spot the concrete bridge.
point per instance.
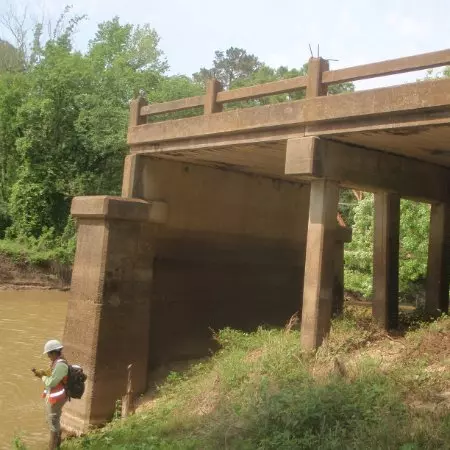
(229, 218)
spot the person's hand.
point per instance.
(37, 373)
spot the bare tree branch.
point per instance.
(15, 23)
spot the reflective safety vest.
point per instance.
(57, 393)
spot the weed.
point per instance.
(18, 444)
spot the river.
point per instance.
(28, 319)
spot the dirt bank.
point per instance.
(16, 274)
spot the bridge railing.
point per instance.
(315, 83)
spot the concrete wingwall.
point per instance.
(231, 253)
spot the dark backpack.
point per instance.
(75, 382)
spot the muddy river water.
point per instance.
(27, 319)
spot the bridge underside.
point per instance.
(428, 143)
(395, 156)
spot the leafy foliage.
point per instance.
(413, 252)
(10, 58)
(230, 66)
(63, 121)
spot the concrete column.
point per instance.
(319, 265)
(436, 301)
(132, 181)
(107, 325)
(338, 284)
(344, 234)
(385, 259)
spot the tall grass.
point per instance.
(262, 392)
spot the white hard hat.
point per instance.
(52, 345)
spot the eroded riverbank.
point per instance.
(20, 275)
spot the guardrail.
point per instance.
(315, 83)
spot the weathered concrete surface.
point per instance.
(371, 170)
(352, 107)
(319, 267)
(386, 259)
(107, 324)
(231, 253)
(437, 301)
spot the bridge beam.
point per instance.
(364, 169)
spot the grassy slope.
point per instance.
(262, 392)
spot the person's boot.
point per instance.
(59, 439)
(53, 441)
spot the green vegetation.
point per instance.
(414, 226)
(361, 390)
(63, 121)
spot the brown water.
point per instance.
(27, 320)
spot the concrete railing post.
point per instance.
(213, 86)
(315, 87)
(135, 117)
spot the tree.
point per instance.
(413, 252)
(13, 89)
(14, 23)
(73, 121)
(173, 88)
(229, 66)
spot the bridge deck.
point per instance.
(411, 120)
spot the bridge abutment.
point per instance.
(107, 323)
(230, 252)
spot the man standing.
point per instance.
(55, 380)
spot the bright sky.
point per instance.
(278, 31)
